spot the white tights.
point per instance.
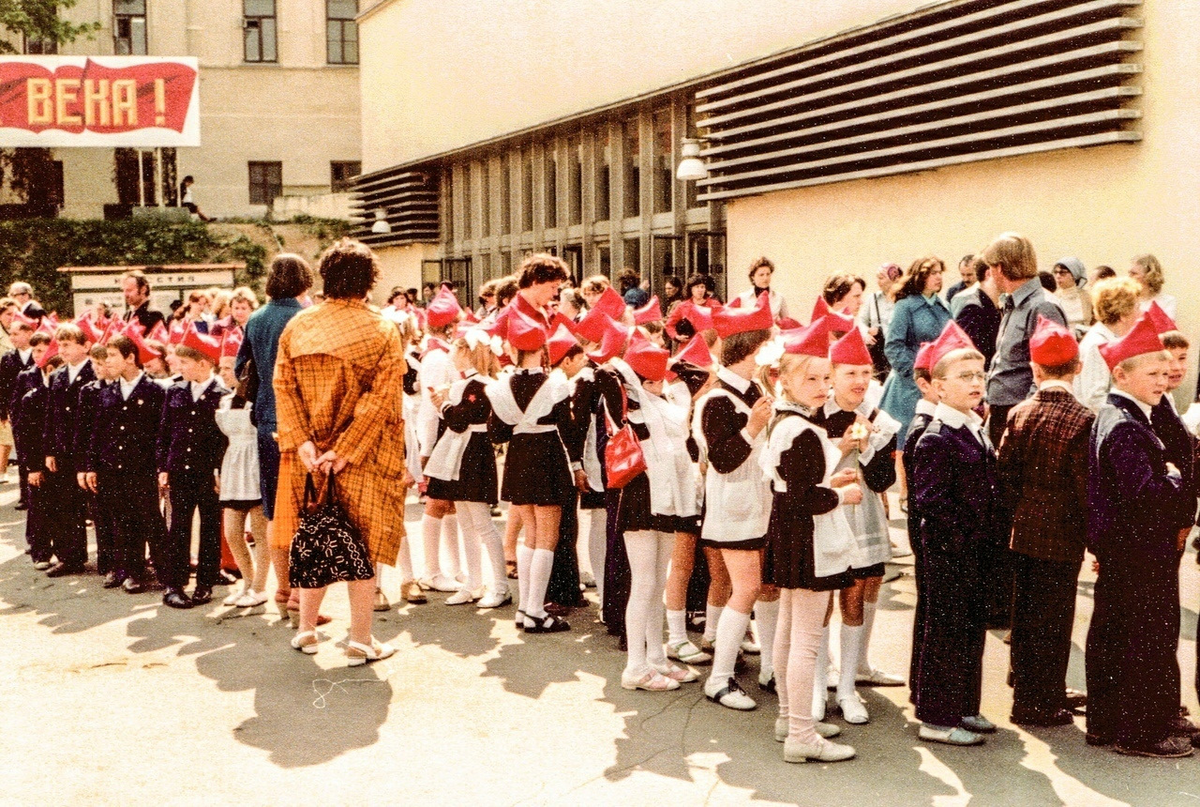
(597, 546)
(649, 562)
(436, 533)
(479, 530)
(797, 638)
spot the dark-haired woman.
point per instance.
(919, 316)
(761, 272)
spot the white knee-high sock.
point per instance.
(676, 626)
(597, 547)
(539, 580)
(821, 675)
(404, 561)
(431, 531)
(864, 658)
(472, 549)
(730, 632)
(524, 567)
(486, 536)
(712, 616)
(664, 544)
(642, 552)
(450, 542)
(766, 616)
(851, 643)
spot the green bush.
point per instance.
(33, 249)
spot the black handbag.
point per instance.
(247, 386)
(327, 547)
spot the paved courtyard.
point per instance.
(108, 698)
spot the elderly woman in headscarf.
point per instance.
(1070, 276)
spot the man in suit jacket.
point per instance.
(1043, 478)
(136, 289)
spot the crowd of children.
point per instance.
(733, 462)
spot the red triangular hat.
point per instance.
(562, 319)
(145, 352)
(647, 359)
(176, 332)
(811, 340)
(729, 321)
(201, 342)
(838, 322)
(20, 317)
(696, 353)
(523, 333)
(51, 352)
(561, 341)
(952, 337)
(53, 318)
(612, 343)
(159, 333)
(788, 324)
(611, 303)
(46, 327)
(850, 349)
(1160, 319)
(231, 342)
(469, 316)
(90, 332)
(650, 312)
(1051, 344)
(924, 353)
(701, 316)
(442, 309)
(1141, 339)
(594, 325)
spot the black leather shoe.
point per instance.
(175, 598)
(113, 579)
(1063, 717)
(1170, 748)
(224, 578)
(1076, 701)
(133, 586)
(201, 595)
(1182, 727)
(61, 569)
(21, 506)
(1099, 739)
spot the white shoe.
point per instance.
(306, 641)
(823, 751)
(651, 682)
(251, 599)
(729, 694)
(588, 579)
(853, 710)
(688, 653)
(877, 678)
(750, 647)
(464, 596)
(233, 598)
(824, 730)
(439, 582)
(494, 599)
(358, 654)
(820, 706)
(684, 674)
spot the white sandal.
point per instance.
(250, 599)
(233, 598)
(358, 654)
(306, 642)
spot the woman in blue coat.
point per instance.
(919, 316)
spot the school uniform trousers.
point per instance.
(190, 448)
(1132, 672)
(954, 483)
(919, 423)
(122, 454)
(67, 519)
(29, 423)
(85, 424)
(11, 366)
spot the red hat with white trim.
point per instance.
(1141, 339)
(201, 342)
(231, 342)
(443, 309)
(1051, 344)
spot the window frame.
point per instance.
(343, 184)
(343, 24)
(129, 19)
(264, 184)
(259, 20)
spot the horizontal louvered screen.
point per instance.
(409, 200)
(957, 83)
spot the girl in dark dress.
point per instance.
(462, 467)
(808, 540)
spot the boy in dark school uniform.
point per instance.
(85, 424)
(1135, 495)
(11, 364)
(66, 520)
(28, 414)
(121, 466)
(190, 448)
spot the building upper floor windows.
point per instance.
(342, 174)
(129, 27)
(40, 47)
(341, 31)
(266, 182)
(258, 25)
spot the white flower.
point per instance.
(858, 432)
(770, 353)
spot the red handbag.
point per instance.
(623, 458)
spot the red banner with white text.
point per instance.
(103, 101)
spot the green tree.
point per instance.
(39, 20)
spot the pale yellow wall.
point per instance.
(401, 266)
(438, 74)
(1104, 205)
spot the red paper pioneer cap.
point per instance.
(701, 316)
(177, 332)
(696, 353)
(147, 353)
(1140, 340)
(1051, 344)
(952, 337)
(611, 303)
(850, 349)
(51, 352)
(559, 343)
(924, 353)
(201, 342)
(524, 333)
(612, 343)
(231, 342)
(1159, 319)
(650, 312)
(594, 325)
(729, 321)
(811, 340)
(90, 332)
(838, 322)
(647, 359)
(442, 309)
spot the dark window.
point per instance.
(551, 197)
(574, 181)
(633, 169)
(527, 190)
(40, 46)
(485, 199)
(129, 27)
(266, 182)
(341, 31)
(603, 174)
(258, 25)
(468, 202)
(341, 175)
(664, 168)
(505, 196)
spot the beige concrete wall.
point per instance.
(401, 266)
(1104, 205)
(437, 75)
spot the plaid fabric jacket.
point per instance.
(1043, 475)
(338, 382)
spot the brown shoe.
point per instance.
(411, 593)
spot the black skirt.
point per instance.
(789, 559)
(477, 479)
(536, 470)
(634, 513)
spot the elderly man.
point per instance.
(22, 292)
(136, 289)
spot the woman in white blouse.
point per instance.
(1115, 302)
(760, 280)
(1070, 277)
(1147, 271)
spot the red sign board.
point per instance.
(136, 101)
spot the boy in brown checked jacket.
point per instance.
(1043, 478)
